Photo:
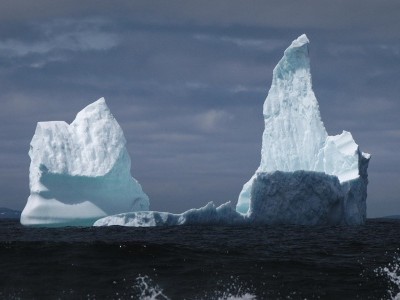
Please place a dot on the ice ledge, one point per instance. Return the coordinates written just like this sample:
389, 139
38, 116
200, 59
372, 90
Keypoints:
339, 156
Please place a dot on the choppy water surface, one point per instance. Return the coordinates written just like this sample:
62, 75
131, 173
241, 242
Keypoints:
193, 262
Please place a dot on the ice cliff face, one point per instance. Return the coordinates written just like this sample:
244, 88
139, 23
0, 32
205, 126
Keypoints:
295, 139
300, 197
80, 172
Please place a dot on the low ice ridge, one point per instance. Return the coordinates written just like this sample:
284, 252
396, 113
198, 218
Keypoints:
224, 214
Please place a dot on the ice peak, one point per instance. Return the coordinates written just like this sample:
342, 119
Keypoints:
94, 111
295, 58
99, 104
101, 101
300, 41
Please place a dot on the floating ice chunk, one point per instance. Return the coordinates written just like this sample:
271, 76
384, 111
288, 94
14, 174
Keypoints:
80, 172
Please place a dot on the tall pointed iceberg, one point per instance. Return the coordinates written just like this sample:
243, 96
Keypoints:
295, 139
80, 172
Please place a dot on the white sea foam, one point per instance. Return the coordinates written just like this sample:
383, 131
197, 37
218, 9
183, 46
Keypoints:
246, 296
235, 290
149, 290
392, 273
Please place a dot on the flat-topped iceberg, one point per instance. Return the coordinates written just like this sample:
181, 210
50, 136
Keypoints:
80, 172
295, 139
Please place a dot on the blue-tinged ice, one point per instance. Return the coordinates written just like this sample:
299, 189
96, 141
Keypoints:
295, 139
300, 197
80, 172
224, 214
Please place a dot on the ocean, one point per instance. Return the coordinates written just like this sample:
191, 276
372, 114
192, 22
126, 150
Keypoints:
201, 262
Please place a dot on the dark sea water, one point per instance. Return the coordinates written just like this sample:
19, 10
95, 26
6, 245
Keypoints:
193, 262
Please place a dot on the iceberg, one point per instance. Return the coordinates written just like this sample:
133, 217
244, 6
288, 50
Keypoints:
224, 214
80, 172
295, 139
305, 177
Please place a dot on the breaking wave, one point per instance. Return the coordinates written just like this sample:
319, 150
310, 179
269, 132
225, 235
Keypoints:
148, 290
392, 274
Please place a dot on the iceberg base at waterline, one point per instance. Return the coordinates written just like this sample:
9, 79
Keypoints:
298, 198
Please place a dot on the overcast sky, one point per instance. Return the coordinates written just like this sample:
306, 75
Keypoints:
187, 81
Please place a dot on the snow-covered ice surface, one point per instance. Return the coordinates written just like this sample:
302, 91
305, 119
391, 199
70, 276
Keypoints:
224, 214
80, 172
295, 139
